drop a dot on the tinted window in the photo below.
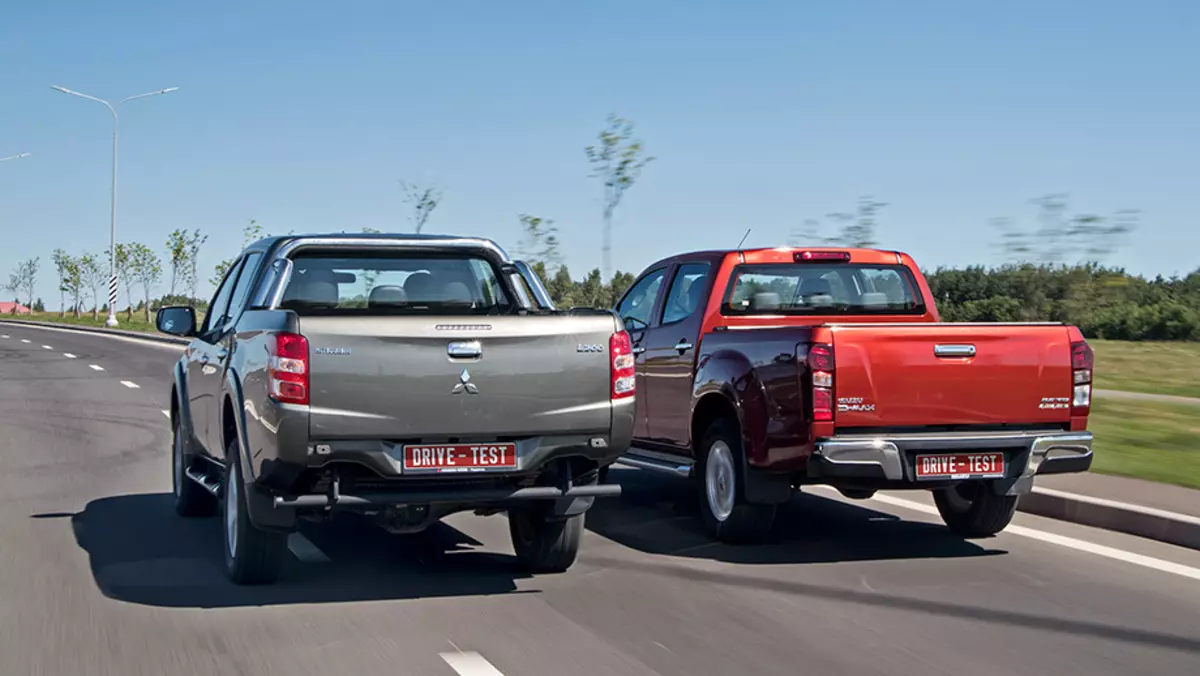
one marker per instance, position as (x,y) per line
(220,302)
(400,284)
(834,289)
(638,303)
(687,292)
(242,288)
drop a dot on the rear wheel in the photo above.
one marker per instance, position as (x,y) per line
(252,555)
(727,515)
(973,510)
(544,545)
(191,499)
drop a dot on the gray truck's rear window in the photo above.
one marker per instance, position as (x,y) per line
(821,289)
(404,284)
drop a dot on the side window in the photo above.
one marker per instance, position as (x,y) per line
(241,289)
(638,303)
(220,301)
(687,292)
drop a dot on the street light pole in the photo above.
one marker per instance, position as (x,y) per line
(14,157)
(112,247)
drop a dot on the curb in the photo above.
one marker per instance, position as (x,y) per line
(152,337)
(1147,522)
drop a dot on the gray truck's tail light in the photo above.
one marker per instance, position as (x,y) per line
(1082,362)
(288,369)
(821,363)
(624,371)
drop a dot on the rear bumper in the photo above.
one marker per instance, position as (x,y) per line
(890,458)
(435,497)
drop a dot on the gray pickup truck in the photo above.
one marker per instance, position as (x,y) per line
(403,377)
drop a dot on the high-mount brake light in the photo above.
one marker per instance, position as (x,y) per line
(821,256)
(288,369)
(1082,362)
(821,363)
(623,365)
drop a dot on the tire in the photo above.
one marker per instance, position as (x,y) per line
(973,510)
(252,555)
(191,499)
(728,517)
(544,545)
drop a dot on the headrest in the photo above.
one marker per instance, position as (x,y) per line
(386,295)
(816,287)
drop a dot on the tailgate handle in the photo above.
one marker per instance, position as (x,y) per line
(464,349)
(954,350)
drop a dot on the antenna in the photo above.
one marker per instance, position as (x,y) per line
(739,246)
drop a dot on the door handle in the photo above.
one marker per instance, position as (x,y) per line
(638,349)
(683,346)
(222,353)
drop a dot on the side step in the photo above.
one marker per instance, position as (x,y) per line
(657,462)
(209,483)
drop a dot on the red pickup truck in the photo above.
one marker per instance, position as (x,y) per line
(761,371)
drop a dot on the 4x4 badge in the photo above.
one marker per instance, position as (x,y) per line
(465,384)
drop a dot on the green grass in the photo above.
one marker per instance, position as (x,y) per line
(1147,440)
(1156,368)
(138,323)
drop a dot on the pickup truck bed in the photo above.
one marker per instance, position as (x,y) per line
(763,371)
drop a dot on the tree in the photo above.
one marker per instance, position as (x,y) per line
(251,232)
(61,262)
(422,200)
(540,242)
(92,277)
(74,283)
(125,274)
(39,305)
(146,269)
(857,228)
(177,253)
(24,279)
(1063,238)
(194,242)
(617,161)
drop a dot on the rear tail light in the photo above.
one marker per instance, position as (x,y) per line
(821,363)
(288,369)
(624,374)
(1082,361)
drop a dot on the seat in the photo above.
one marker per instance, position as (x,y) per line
(310,292)
(387,295)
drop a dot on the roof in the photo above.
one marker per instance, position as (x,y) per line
(781,254)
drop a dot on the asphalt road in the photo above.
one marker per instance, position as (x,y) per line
(97,576)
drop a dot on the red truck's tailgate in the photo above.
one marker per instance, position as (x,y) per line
(917,374)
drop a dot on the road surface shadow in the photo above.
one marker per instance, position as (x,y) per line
(141,552)
(657,514)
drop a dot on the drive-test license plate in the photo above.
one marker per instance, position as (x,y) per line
(459,457)
(960,466)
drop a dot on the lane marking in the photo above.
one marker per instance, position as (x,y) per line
(130,385)
(23,340)
(47,347)
(68,355)
(4,337)
(166,413)
(95,367)
(470,664)
(301,547)
(1064,541)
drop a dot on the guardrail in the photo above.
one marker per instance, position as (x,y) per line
(152,337)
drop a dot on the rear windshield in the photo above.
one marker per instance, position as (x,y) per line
(815,289)
(403,284)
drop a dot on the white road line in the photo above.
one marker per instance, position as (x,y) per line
(303,548)
(94,367)
(47,347)
(166,413)
(4,337)
(1064,541)
(130,385)
(470,664)
(24,340)
(68,355)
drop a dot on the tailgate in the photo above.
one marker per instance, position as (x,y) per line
(393,377)
(920,375)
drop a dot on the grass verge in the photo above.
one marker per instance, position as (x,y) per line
(1156,368)
(1147,440)
(138,323)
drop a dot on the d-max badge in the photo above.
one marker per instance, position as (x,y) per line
(465,384)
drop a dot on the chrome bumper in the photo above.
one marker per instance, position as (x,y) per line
(889,457)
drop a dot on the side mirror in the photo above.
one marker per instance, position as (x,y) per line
(177,321)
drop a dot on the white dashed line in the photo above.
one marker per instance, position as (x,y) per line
(47,347)
(166,413)
(304,549)
(68,355)
(4,337)
(94,367)
(1068,542)
(470,664)
(130,385)
(23,340)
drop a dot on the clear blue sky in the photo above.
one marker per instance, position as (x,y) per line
(304,115)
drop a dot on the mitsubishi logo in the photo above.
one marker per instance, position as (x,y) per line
(465,384)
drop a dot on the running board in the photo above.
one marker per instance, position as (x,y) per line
(206,482)
(657,462)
